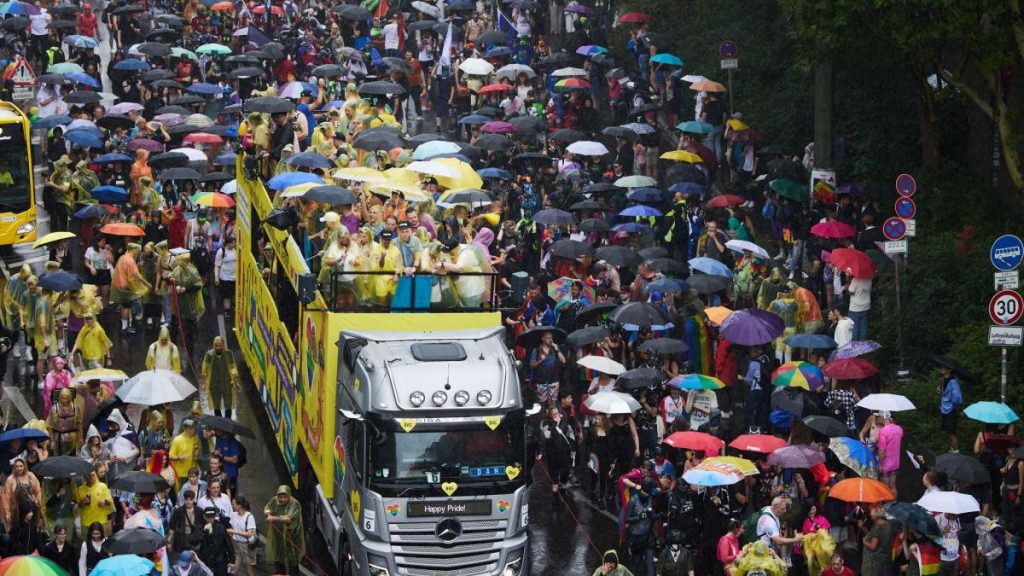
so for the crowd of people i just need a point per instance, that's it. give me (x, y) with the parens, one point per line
(673, 287)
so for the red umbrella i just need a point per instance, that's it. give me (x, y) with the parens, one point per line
(724, 200)
(274, 10)
(495, 88)
(850, 369)
(695, 441)
(854, 262)
(204, 138)
(701, 150)
(760, 443)
(634, 17)
(833, 229)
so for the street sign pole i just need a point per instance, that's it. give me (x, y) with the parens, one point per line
(1002, 381)
(728, 52)
(729, 81)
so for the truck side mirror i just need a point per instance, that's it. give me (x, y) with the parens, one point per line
(350, 415)
(533, 410)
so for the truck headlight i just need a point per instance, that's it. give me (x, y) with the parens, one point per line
(25, 228)
(512, 568)
(439, 398)
(483, 397)
(461, 397)
(377, 566)
(417, 399)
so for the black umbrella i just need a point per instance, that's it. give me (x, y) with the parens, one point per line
(180, 110)
(15, 23)
(82, 97)
(351, 12)
(683, 172)
(154, 49)
(470, 195)
(492, 112)
(62, 467)
(112, 121)
(103, 409)
(168, 84)
(528, 125)
(554, 217)
(242, 59)
(397, 64)
(216, 129)
(201, 166)
(226, 425)
(567, 135)
(424, 138)
(172, 20)
(64, 10)
(557, 59)
(381, 88)
(158, 73)
(707, 283)
(618, 131)
(467, 149)
(826, 425)
(245, 72)
(259, 55)
(652, 253)
(589, 335)
(664, 346)
(134, 541)
(963, 468)
(531, 338)
(586, 205)
(595, 312)
(617, 256)
(183, 129)
(140, 483)
(187, 100)
(381, 138)
(168, 160)
(55, 79)
(441, 28)
(179, 174)
(328, 71)
(600, 187)
(639, 378)
(129, 9)
(268, 105)
(595, 225)
(914, 517)
(330, 194)
(639, 314)
(668, 265)
(274, 49)
(494, 142)
(644, 108)
(953, 365)
(571, 249)
(493, 37)
(64, 25)
(420, 25)
(163, 34)
(796, 401)
(217, 177)
(60, 281)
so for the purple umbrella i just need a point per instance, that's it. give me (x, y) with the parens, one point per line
(169, 120)
(854, 349)
(798, 456)
(750, 327)
(124, 108)
(498, 127)
(145, 144)
(577, 8)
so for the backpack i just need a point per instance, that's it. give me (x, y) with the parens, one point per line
(750, 534)
(243, 455)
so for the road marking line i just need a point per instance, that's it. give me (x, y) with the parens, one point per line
(14, 394)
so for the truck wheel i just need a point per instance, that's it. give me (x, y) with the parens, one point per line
(345, 558)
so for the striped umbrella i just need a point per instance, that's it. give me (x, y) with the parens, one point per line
(696, 382)
(798, 375)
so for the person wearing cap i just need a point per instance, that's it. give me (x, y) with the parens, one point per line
(92, 343)
(285, 536)
(128, 287)
(188, 564)
(184, 450)
(214, 547)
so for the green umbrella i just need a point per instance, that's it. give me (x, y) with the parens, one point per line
(790, 189)
(179, 52)
(65, 68)
(214, 49)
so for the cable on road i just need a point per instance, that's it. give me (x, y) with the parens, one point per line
(561, 496)
(319, 569)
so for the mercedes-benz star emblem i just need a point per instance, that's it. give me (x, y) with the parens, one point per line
(448, 529)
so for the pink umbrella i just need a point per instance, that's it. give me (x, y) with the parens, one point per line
(498, 127)
(145, 144)
(833, 229)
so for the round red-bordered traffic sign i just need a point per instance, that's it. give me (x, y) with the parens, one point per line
(894, 229)
(1006, 307)
(906, 208)
(906, 185)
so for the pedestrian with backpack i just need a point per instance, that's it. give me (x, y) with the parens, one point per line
(769, 525)
(640, 527)
(758, 393)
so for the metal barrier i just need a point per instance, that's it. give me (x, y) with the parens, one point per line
(419, 292)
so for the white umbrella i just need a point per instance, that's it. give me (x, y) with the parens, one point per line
(886, 402)
(201, 120)
(602, 364)
(193, 154)
(570, 71)
(587, 148)
(692, 78)
(434, 169)
(743, 245)
(476, 66)
(241, 32)
(229, 187)
(949, 502)
(613, 403)
(512, 71)
(427, 8)
(125, 107)
(154, 387)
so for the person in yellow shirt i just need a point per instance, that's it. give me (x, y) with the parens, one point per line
(184, 450)
(95, 503)
(92, 342)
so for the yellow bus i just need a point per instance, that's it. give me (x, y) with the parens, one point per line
(17, 189)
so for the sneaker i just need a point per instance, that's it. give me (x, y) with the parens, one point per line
(779, 256)
(953, 451)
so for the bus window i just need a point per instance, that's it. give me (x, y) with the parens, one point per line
(15, 193)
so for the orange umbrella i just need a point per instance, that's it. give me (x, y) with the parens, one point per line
(707, 86)
(222, 6)
(861, 490)
(122, 229)
(717, 314)
(695, 441)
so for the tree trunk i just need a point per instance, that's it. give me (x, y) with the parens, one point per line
(1008, 140)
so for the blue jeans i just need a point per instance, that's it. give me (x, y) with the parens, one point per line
(860, 324)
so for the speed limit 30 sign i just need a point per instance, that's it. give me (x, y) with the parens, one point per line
(1006, 307)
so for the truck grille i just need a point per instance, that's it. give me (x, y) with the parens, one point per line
(419, 552)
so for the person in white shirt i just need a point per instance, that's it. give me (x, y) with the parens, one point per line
(224, 267)
(859, 290)
(243, 532)
(216, 498)
(672, 406)
(843, 326)
(390, 32)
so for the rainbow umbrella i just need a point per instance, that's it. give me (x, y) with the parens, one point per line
(696, 382)
(746, 467)
(798, 375)
(561, 288)
(570, 84)
(30, 566)
(713, 474)
(855, 456)
(213, 200)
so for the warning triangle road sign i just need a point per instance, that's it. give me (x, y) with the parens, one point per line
(22, 74)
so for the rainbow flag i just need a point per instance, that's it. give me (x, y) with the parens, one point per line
(928, 558)
(695, 334)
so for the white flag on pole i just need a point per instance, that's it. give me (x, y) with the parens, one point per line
(446, 51)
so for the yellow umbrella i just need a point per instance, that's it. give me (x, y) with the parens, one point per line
(412, 193)
(101, 374)
(737, 124)
(717, 314)
(299, 189)
(467, 178)
(403, 176)
(53, 237)
(746, 467)
(682, 156)
(359, 174)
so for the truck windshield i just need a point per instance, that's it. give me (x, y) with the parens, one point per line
(15, 195)
(467, 454)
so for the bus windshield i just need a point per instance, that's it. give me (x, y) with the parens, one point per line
(466, 454)
(15, 191)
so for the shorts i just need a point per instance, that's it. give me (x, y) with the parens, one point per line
(243, 553)
(102, 277)
(949, 422)
(546, 392)
(227, 289)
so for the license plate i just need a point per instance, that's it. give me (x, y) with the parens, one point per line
(9, 219)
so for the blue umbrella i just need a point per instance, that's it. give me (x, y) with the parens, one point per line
(110, 194)
(79, 41)
(811, 341)
(991, 413)
(474, 119)
(93, 211)
(84, 138)
(646, 194)
(23, 434)
(123, 565)
(854, 349)
(494, 173)
(710, 266)
(225, 159)
(641, 210)
(309, 160)
(499, 51)
(664, 285)
(434, 148)
(60, 281)
(632, 227)
(204, 88)
(752, 327)
(83, 78)
(688, 188)
(52, 121)
(111, 158)
(132, 65)
(638, 128)
(695, 127)
(289, 179)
